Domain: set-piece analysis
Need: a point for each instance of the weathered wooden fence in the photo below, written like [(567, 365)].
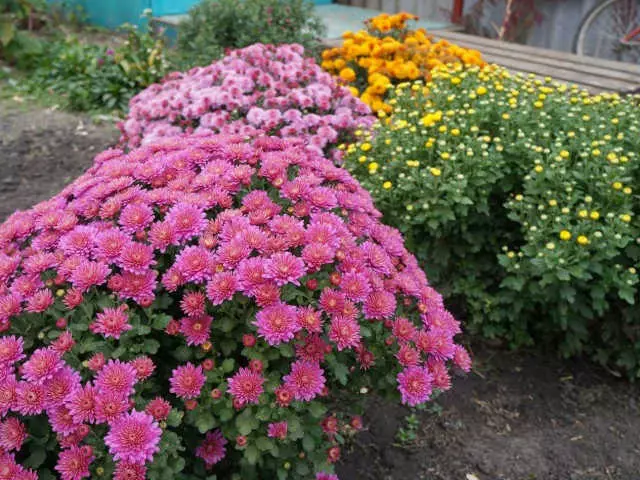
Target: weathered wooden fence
[(439, 10)]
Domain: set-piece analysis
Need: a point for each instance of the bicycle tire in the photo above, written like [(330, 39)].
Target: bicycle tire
[(589, 18)]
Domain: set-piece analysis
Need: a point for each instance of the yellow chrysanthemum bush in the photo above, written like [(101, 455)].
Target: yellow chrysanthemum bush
[(518, 195), (389, 52)]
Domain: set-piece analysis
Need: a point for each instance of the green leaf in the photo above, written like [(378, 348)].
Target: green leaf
[(205, 422), (7, 31), (151, 346), (308, 443), (37, 458), (252, 454), (175, 418), (264, 443), (317, 409), (228, 365)]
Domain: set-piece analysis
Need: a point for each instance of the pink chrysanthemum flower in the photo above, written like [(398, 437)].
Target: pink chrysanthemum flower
[(415, 385), (212, 449), (40, 301), (196, 329), (284, 268), (133, 437), (88, 273), (222, 287), (13, 433), (305, 381), (96, 362), (332, 301), (110, 406), (11, 350), (187, 381), (310, 319), (187, 220), (42, 365), (161, 235), (355, 286), (277, 323), (81, 403), (116, 377), (193, 304), (379, 305), (158, 408), (144, 367), (136, 257), (461, 358), (344, 332), (408, 356), (313, 349), (439, 372), (129, 471), (111, 322), (437, 343), (278, 430), (73, 463), (109, 244), (246, 386), (30, 398), (250, 273), (64, 381), (317, 254), (61, 420), (194, 264), (64, 343), (404, 330), (8, 394), (135, 217), (326, 476)]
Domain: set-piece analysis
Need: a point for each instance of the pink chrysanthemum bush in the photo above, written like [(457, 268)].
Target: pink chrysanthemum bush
[(258, 89), (195, 308)]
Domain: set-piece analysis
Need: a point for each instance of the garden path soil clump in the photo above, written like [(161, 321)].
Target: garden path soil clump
[(517, 417), (41, 150)]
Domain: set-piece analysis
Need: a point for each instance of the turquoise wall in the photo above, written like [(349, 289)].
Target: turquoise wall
[(112, 13)]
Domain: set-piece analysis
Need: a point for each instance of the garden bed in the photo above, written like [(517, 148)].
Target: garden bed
[(518, 416)]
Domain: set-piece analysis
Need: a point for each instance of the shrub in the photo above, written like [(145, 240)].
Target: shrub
[(387, 53), (251, 91), (94, 77), (197, 307), (517, 194), (216, 25), (18, 20)]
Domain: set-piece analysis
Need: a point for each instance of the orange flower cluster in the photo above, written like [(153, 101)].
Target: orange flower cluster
[(387, 53)]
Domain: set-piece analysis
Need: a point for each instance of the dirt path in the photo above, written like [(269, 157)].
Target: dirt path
[(519, 417), (43, 150)]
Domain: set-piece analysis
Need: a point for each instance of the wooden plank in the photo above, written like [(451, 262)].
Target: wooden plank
[(594, 69), (561, 74), (477, 42)]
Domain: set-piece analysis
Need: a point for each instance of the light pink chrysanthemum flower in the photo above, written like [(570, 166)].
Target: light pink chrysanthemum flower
[(222, 287), (111, 322), (87, 274), (277, 323), (135, 217), (110, 406), (193, 304), (144, 367), (136, 257), (187, 220), (133, 437), (461, 358), (158, 408), (246, 386), (305, 381), (61, 420), (40, 301), (326, 476), (116, 377), (310, 319), (212, 449), (64, 381), (194, 264), (355, 286), (187, 381), (8, 394), (415, 385), (408, 356)]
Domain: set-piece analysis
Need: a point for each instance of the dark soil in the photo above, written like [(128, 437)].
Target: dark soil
[(516, 417), (41, 150)]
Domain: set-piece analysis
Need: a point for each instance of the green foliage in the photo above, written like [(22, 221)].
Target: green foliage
[(518, 196), (18, 18), (93, 77), (216, 25)]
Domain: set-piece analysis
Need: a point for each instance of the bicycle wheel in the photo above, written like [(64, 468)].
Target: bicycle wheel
[(603, 28)]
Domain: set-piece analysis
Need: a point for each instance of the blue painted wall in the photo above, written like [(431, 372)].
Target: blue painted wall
[(112, 13)]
